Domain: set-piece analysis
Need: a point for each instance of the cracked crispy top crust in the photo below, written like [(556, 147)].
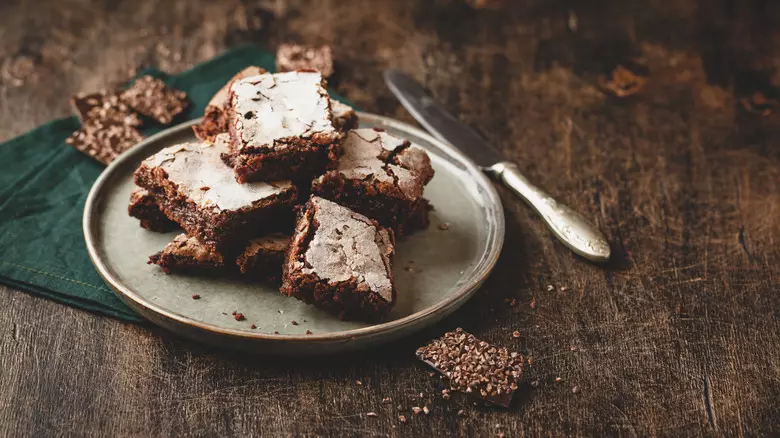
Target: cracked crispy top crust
[(189, 246), (271, 110), (377, 155), (348, 245), (201, 176)]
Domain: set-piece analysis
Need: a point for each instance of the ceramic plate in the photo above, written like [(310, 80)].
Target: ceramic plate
[(436, 270)]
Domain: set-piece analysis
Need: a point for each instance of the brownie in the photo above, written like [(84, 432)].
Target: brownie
[(344, 116), (187, 254), (264, 256), (291, 57), (143, 206), (152, 98), (280, 127), (380, 176), (261, 260), (194, 188), (215, 119), (340, 261), (475, 367)]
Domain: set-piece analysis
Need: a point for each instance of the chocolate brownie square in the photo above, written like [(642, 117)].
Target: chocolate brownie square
[(186, 254), (292, 57), (215, 120), (340, 261), (264, 256), (261, 260), (194, 188), (380, 176), (344, 116), (143, 206), (281, 127)]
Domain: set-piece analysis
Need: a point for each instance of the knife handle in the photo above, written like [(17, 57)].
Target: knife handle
[(568, 226)]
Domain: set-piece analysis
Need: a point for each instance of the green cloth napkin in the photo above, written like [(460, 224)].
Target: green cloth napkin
[(43, 186)]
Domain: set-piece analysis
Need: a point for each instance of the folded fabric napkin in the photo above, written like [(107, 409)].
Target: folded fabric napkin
[(43, 186)]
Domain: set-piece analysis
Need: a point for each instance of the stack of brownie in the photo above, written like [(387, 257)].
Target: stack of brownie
[(283, 184)]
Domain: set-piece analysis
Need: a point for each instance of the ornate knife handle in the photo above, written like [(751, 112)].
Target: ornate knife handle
[(568, 226)]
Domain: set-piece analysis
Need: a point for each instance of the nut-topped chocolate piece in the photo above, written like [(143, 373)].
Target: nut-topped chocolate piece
[(340, 261), (291, 57), (152, 98), (194, 188), (475, 367), (281, 127), (378, 175)]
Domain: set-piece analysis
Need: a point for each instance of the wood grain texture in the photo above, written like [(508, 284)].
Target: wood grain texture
[(680, 335)]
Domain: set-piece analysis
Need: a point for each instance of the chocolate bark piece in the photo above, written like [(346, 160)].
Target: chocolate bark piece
[(340, 261), (263, 257), (152, 98), (186, 254), (281, 127), (104, 141), (143, 206), (194, 188), (215, 120), (105, 107), (475, 367), (292, 57), (344, 116), (380, 176)]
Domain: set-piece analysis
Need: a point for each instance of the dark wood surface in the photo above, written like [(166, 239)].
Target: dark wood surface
[(679, 335)]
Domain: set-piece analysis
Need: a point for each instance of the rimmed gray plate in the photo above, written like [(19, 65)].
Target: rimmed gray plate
[(436, 270)]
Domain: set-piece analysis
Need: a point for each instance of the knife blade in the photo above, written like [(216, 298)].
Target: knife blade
[(567, 225), (439, 122)]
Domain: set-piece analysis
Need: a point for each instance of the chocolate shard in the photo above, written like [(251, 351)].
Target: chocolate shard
[(152, 98), (475, 367)]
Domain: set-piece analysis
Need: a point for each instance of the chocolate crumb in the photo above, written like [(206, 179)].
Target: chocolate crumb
[(444, 226), (294, 322), (152, 98), (372, 414), (204, 188), (308, 332), (276, 333), (234, 313), (239, 316), (253, 326), (378, 129), (196, 297)]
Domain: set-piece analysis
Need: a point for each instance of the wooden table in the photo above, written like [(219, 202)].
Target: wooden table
[(679, 335)]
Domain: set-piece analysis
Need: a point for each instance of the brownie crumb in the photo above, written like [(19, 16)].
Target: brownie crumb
[(308, 332), (196, 297), (205, 188), (239, 316), (294, 322), (377, 129), (253, 326), (276, 333)]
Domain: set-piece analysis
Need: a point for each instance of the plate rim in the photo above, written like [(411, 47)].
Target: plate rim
[(143, 306)]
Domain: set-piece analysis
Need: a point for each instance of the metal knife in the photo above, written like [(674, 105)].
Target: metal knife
[(568, 226)]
